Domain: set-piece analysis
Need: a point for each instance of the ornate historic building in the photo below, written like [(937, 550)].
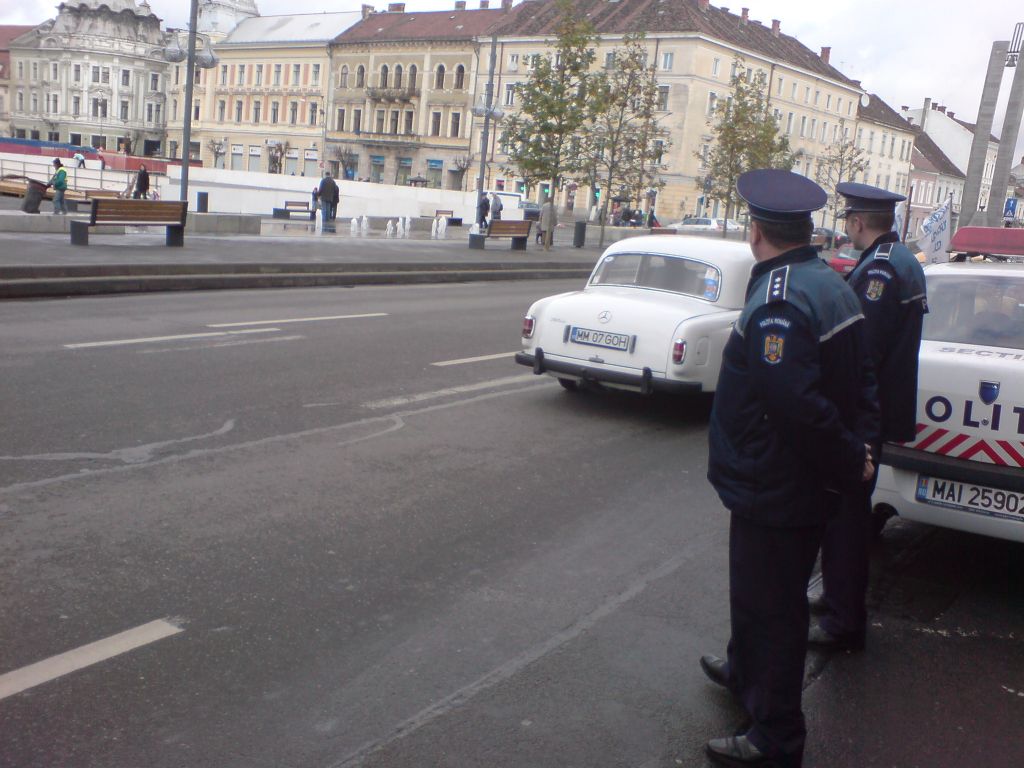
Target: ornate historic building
[(7, 33), (94, 75)]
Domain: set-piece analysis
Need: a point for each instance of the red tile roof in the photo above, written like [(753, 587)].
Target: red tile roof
[(430, 25), (541, 17)]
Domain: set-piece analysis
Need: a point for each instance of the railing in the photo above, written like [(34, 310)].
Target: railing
[(393, 94), (78, 178)]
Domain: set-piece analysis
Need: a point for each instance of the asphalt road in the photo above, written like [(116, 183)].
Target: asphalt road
[(370, 539)]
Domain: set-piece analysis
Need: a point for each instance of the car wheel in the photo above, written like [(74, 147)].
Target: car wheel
[(570, 385), (880, 515)]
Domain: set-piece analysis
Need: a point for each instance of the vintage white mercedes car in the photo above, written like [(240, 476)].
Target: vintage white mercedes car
[(965, 468), (654, 316)]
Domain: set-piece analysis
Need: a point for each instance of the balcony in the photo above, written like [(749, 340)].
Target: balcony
[(374, 139), (393, 94)]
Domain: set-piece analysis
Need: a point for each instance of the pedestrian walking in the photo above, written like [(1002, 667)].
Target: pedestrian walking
[(141, 184), (496, 207), (793, 414), (548, 222), (889, 282), (483, 209), (59, 182), (328, 195)]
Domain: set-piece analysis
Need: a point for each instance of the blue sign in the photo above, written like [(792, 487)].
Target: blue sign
[(1010, 211)]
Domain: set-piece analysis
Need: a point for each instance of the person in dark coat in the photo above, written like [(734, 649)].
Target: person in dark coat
[(141, 184), (890, 284), (483, 208), (794, 412), (328, 195)]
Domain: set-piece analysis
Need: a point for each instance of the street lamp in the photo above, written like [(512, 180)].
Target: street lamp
[(487, 110), (205, 59)]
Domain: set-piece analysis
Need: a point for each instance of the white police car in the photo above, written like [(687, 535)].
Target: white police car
[(654, 316), (965, 468)]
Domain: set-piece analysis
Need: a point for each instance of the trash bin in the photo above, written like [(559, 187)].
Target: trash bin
[(579, 234), (34, 194), (202, 202)]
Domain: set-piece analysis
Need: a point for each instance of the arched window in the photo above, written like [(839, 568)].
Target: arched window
[(439, 77), (398, 75), (460, 77), (344, 77), (412, 76), (360, 76), (384, 76)]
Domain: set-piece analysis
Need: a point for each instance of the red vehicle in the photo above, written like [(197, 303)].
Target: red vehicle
[(993, 243), (844, 260)]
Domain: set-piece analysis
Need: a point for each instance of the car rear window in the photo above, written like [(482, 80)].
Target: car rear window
[(984, 310), (662, 273)]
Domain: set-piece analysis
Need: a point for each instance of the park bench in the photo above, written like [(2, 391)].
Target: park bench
[(518, 231), (135, 213), (293, 206)]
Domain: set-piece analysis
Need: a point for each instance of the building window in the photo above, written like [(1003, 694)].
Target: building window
[(105, 75), (817, 97), (814, 128), (360, 76), (259, 74), (35, 103), (126, 77), (149, 113), (609, 60), (296, 73), (779, 87), (892, 147), (803, 126), (712, 102), (154, 82), (460, 77), (394, 121), (124, 110), (340, 125), (241, 75), (195, 110), (789, 124), (398, 76), (412, 75), (715, 66), (435, 124), (257, 111), (313, 112), (77, 73), (828, 101), (316, 74), (95, 74), (513, 62), (156, 113), (174, 113), (456, 124), (223, 74), (380, 121), (293, 113), (35, 70), (439, 78), (384, 72), (76, 107), (871, 143), (275, 111), (667, 59), (408, 122), (357, 120), (238, 111), (662, 98), (510, 94), (99, 107), (277, 74), (792, 92), (344, 77), (221, 107)]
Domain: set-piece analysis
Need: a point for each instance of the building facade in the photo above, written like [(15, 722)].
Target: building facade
[(934, 179), (94, 75), (7, 34), (263, 106), (887, 141)]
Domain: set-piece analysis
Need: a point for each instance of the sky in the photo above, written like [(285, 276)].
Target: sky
[(903, 51)]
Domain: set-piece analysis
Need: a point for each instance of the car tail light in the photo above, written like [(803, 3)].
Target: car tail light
[(528, 323), (678, 351)]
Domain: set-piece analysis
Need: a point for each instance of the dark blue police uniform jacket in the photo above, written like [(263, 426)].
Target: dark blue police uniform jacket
[(795, 402), (890, 284)]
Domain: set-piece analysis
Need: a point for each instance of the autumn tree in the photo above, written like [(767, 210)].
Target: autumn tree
[(553, 106), (745, 136), (842, 161)]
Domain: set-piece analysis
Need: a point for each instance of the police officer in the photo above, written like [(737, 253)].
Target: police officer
[(889, 283), (794, 411)]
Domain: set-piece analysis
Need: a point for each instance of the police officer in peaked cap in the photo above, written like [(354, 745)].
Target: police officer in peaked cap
[(793, 416), (889, 283)]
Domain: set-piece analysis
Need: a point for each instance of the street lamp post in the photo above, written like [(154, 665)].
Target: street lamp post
[(487, 111), (206, 60)]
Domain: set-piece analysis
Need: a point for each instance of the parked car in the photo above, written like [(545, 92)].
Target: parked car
[(704, 224), (845, 260), (829, 239), (965, 467), (654, 315)]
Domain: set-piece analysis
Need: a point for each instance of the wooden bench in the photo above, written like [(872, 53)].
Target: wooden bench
[(134, 213), (518, 231), (293, 206)]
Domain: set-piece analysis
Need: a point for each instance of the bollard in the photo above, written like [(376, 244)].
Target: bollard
[(579, 234)]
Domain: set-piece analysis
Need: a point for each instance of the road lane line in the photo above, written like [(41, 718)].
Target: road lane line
[(151, 339), (297, 320), (56, 666), (408, 399), (217, 345), (479, 359)]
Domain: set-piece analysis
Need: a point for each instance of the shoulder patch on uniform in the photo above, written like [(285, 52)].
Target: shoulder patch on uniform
[(874, 290), (777, 280), (883, 251), (773, 348)]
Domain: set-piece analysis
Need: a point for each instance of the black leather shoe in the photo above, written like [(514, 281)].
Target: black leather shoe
[(817, 604), (716, 669), (823, 640), (736, 750)]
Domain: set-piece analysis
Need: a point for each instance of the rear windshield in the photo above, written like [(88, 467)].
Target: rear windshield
[(662, 273), (976, 310)]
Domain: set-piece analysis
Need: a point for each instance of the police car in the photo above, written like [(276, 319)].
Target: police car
[(965, 467), (654, 315)]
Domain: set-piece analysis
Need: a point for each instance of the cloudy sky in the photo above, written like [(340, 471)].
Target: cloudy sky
[(903, 51)]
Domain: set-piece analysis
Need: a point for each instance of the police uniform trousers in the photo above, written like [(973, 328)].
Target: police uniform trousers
[(768, 572), (845, 550)]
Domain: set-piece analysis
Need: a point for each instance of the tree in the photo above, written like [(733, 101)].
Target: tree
[(460, 165), (346, 158), (745, 137), (842, 161), (553, 106), (619, 138), (217, 148)]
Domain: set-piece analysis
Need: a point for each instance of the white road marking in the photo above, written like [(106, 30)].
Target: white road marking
[(56, 666), (297, 320), (151, 339), (479, 359), (218, 345), (394, 401)]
